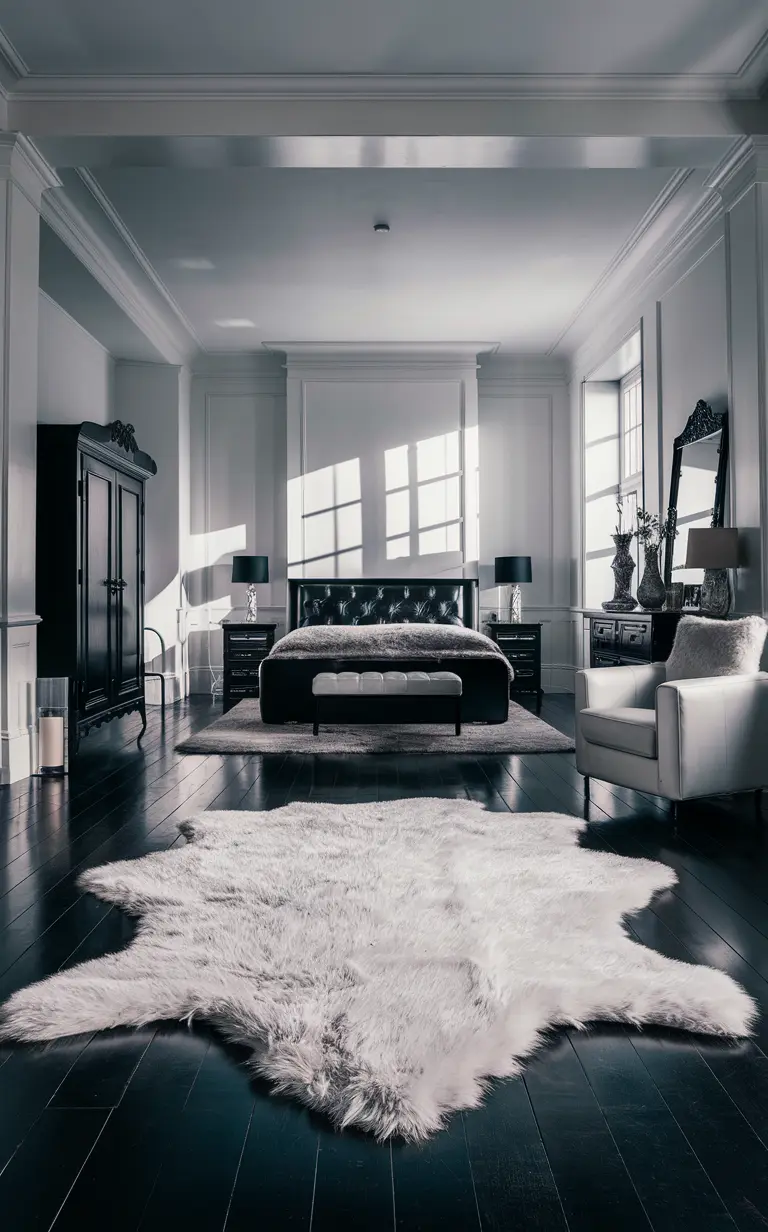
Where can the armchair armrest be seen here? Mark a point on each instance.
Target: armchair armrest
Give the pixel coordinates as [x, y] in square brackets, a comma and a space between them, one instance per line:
[712, 735]
[608, 687]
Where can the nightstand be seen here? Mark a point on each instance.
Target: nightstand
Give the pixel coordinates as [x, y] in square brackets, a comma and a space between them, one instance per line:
[521, 644]
[246, 643]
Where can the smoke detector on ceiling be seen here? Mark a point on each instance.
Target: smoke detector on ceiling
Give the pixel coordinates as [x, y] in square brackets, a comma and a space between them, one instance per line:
[381, 228]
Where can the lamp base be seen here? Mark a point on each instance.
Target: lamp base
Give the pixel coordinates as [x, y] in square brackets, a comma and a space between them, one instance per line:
[251, 605]
[515, 614]
[716, 593]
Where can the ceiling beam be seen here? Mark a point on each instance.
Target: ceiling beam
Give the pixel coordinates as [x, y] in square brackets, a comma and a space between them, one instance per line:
[105, 111]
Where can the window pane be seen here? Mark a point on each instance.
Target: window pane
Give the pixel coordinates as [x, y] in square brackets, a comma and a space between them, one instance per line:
[396, 467]
[437, 456]
[398, 547]
[601, 466]
[398, 513]
[438, 502]
[349, 527]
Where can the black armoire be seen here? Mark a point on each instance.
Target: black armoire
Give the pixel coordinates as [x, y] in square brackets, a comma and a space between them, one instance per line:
[90, 568]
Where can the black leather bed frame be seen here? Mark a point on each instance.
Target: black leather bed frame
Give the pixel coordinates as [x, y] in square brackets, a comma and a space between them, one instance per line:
[286, 684]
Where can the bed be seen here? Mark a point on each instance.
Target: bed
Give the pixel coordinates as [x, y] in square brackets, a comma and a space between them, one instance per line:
[380, 625]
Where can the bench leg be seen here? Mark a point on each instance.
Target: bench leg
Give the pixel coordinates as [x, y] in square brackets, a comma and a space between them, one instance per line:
[458, 716]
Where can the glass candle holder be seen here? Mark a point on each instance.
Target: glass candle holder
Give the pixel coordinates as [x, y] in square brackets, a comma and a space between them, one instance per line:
[52, 711]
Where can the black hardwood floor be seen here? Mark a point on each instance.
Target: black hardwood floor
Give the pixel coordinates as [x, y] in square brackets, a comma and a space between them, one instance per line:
[610, 1129]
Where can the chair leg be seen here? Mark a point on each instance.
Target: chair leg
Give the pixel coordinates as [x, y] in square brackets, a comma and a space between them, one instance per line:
[586, 786]
[316, 724]
[458, 716]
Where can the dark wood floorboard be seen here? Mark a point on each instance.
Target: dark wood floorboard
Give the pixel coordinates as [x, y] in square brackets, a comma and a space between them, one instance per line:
[165, 1127]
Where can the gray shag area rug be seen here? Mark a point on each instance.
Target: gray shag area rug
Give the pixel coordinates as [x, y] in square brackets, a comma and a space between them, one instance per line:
[242, 731]
[381, 961]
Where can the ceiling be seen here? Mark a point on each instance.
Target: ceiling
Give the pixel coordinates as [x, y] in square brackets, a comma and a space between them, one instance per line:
[507, 255]
[252, 216]
[63, 37]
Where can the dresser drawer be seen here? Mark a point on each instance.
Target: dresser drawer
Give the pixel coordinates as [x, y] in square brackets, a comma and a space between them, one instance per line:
[519, 656]
[238, 640]
[635, 638]
[525, 674]
[603, 634]
[517, 641]
[253, 654]
[244, 676]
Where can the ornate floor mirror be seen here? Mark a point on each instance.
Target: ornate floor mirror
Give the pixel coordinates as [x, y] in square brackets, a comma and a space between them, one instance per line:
[697, 494]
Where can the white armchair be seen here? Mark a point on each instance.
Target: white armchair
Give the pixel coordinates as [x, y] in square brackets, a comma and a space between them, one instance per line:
[679, 739]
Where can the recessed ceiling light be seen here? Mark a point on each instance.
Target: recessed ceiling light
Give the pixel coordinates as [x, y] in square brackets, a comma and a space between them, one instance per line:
[381, 228]
[235, 323]
[192, 263]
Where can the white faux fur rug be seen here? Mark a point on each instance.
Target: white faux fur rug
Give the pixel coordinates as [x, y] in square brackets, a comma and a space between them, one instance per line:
[381, 960]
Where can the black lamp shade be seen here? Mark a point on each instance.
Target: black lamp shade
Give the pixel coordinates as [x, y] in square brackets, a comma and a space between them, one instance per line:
[250, 569]
[513, 569]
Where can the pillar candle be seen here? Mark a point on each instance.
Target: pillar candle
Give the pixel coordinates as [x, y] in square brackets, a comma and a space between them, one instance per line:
[51, 742]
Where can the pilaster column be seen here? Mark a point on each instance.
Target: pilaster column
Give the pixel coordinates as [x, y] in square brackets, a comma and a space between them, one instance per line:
[24, 177]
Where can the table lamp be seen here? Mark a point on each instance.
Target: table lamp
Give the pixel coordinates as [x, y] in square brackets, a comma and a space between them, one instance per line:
[253, 570]
[511, 571]
[715, 549]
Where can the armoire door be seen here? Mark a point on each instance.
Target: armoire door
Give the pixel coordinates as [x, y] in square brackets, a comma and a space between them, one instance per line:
[97, 599]
[129, 565]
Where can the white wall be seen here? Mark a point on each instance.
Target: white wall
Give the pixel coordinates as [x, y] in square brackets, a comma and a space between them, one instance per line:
[237, 499]
[374, 428]
[525, 497]
[75, 373]
[155, 399]
[703, 326]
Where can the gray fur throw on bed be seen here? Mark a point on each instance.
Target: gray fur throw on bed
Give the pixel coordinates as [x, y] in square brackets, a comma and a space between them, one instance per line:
[411, 641]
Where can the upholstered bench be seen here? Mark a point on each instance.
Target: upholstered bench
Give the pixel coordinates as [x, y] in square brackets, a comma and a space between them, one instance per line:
[395, 697]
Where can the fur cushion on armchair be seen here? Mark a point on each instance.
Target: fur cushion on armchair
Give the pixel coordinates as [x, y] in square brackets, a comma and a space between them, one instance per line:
[706, 647]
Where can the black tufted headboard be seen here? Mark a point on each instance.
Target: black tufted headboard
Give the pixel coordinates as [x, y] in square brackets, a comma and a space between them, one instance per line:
[382, 601]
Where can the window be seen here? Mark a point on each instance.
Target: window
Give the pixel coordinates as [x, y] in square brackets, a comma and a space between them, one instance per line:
[613, 471]
[631, 429]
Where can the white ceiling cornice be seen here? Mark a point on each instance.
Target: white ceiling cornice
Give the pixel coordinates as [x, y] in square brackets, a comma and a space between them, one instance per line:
[632, 279]
[138, 254]
[81, 238]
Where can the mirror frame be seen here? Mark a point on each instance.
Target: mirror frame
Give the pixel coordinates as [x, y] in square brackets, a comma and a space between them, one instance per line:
[702, 422]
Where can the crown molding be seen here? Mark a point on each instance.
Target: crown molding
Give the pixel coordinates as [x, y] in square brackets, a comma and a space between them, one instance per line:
[22, 162]
[151, 87]
[630, 251]
[506, 369]
[379, 355]
[81, 238]
[754, 70]
[138, 254]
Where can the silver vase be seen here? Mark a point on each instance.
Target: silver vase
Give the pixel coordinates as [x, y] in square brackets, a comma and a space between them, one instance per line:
[623, 567]
[652, 592]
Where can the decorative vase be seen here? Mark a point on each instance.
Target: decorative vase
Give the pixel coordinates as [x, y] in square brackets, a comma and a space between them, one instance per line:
[652, 592]
[623, 567]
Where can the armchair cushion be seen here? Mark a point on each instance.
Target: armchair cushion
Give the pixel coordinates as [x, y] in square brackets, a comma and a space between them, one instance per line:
[626, 728]
[605, 688]
[704, 647]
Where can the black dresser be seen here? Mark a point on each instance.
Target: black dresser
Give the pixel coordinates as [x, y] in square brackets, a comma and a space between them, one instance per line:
[620, 638]
[521, 644]
[245, 645]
